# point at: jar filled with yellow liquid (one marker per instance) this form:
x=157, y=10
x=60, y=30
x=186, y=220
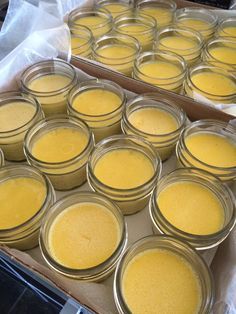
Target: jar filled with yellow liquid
x=156, y=119
x=98, y=21
x=208, y=83
x=117, y=51
x=49, y=82
x=209, y=145
x=221, y=52
x=60, y=146
x=202, y=20
x=164, y=69
x=83, y=236
x=18, y=112
x=81, y=41
x=227, y=28
x=161, y=10
x=115, y=7
x=99, y=103
x=138, y=25
x=194, y=206
x=161, y=274
x=185, y=42
x=125, y=169
x=25, y=196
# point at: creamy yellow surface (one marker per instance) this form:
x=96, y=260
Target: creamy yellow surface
x=96, y=102
x=116, y=8
x=83, y=236
x=49, y=83
x=20, y=198
x=159, y=281
x=15, y=115
x=160, y=69
x=212, y=149
x=80, y=46
x=229, y=31
x=124, y=168
x=178, y=43
x=197, y=24
x=153, y=121
x=214, y=83
x=98, y=25
x=224, y=54
x=191, y=207
x=163, y=16
x=60, y=144
x=141, y=32
x=116, y=51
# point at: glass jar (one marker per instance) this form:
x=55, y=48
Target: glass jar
x=161, y=10
x=202, y=20
x=210, y=84
x=164, y=69
x=69, y=172
x=151, y=112
x=138, y=25
x=185, y=42
x=98, y=21
x=227, y=28
x=172, y=247
x=25, y=235
x=117, y=52
x=207, y=182
x=18, y=112
x=99, y=271
x=1, y=159
x=81, y=41
x=115, y=7
x=50, y=82
x=186, y=158
x=87, y=101
x=221, y=52
x=129, y=199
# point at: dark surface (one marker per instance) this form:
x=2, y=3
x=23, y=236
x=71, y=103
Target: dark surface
x=224, y=4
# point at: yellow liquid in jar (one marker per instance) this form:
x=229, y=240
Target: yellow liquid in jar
x=159, y=281
x=228, y=31
x=162, y=16
x=191, y=207
x=124, y=168
x=83, y=236
x=224, y=54
x=97, y=24
x=80, y=46
x=20, y=198
x=195, y=24
x=116, y=8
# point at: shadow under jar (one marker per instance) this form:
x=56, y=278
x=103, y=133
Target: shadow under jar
x=125, y=169
x=59, y=147
x=49, y=82
x=163, y=69
x=18, y=112
x=155, y=119
x=81, y=41
x=115, y=7
x=209, y=145
x=165, y=275
x=194, y=206
x=117, y=51
x=99, y=103
x=72, y=223
x=25, y=196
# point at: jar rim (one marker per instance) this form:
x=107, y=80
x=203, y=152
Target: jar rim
x=83, y=28
x=172, y=5
x=227, y=20
x=1, y=158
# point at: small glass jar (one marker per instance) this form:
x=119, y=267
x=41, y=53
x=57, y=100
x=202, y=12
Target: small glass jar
x=81, y=41
x=23, y=112
x=130, y=200
x=171, y=245
x=1, y=158
x=100, y=271
x=25, y=235
x=185, y=42
x=98, y=21
x=102, y=123
x=117, y=52
x=164, y=69
x=213, y=127
x=221, y=52
x=161, y=10
x=115, y=7
x=202, y=178
x=200, y=84
x=227, y=28
x=202, y=20
x=140, y=26
x=151, y=105
x=64, y=175
x=49, y=82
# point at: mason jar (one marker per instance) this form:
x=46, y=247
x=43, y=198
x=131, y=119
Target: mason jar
x=1, y=159
x=227, y=28
x=18, y=112
x=49, y=82
x=60, y=146
x=19, y=227
x=115, y=7
x=81, y=41
x=93, y=219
